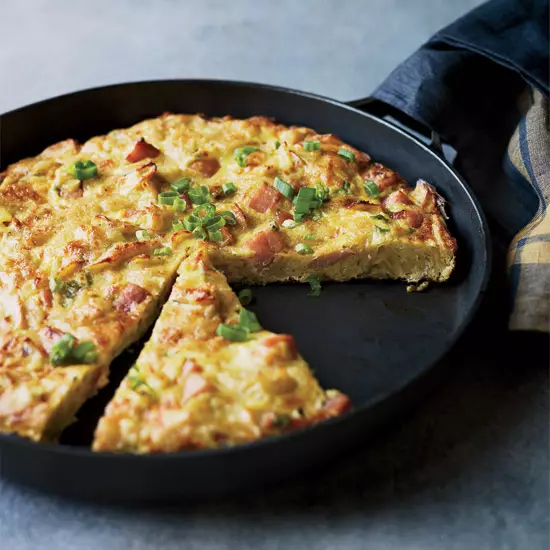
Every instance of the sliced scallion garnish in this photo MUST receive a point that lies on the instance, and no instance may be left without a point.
(167, 197)
(229, 188)
(234, 333)
(214, 223)
(61, 350)
(179, 205)
(372, 189)
(315, 286)
(312, 145)
(83, 169)
(346, 154)
(200, 233)
(182, 185)
(303, 249)
(283, 187)
(199, 195)
(245, 296)
(164, 251)
(249, 321)
(85, 353)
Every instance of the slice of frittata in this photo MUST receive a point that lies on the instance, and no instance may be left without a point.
(210, 376)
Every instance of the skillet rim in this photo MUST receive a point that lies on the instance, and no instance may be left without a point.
(376, 400)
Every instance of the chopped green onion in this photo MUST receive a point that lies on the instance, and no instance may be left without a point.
(215, 236)
(85, 353)
(61, 350)
(315, 285)
(303, 249)
(283, 187)
(178, 225)
(136, 381)
(182, 185)
(299, 217)
(199, 195)
(372, 189)
(306, 193)
(83, 169)
(232, 332)
(381, 222)
(179, 205)
(199, 233)
(164, 251)
(229, 188)
(310, 237)
(312, 145)
(277, 144)
(289, 224)
(346, 154)
(245, 296)
(346, 187)
(229, 217)
(205, 211)
(214, 223)
(241, 153)
(142, 235)
(191, 222)
(321, 192)
(315, 203)
(249, 321)
(168, 197)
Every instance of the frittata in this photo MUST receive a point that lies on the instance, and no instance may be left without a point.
(91, 237)
(193, 387)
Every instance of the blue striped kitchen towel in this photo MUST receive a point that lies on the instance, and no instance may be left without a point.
(483, 84)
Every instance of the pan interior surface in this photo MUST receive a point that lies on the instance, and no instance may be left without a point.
(368, 339)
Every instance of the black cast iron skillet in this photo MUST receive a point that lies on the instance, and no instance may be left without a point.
(369, 339)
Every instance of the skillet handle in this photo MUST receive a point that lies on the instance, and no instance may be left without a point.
(393, 115)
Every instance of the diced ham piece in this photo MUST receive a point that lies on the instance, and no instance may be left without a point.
(282, 216)
(265, 245)
(397, 198)
(412, 217)
(265, 198)
(194, 384)
(206, 166)
(282, 347)
(337, 405)
(130, 296)
(142, 150)
(189, 366)
(382, 176)
(330, 259)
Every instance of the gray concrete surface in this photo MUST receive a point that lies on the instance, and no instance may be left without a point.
(469, 470)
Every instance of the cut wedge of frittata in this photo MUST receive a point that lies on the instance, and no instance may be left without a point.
(210, 376)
